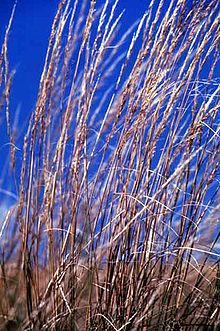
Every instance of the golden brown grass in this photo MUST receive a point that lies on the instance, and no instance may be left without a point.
(116, 224)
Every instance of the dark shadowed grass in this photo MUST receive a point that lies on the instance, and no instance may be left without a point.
(116, 226)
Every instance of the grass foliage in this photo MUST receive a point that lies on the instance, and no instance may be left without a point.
(116, 224)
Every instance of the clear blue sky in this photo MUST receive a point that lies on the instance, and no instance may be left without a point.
(27, 49)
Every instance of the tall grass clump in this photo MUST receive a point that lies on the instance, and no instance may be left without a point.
(116, 224)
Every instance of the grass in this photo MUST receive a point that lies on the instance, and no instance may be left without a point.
(116, 225)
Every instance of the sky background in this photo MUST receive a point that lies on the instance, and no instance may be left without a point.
(28, 42)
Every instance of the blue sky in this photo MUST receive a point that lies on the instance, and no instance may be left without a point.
(27, 49)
